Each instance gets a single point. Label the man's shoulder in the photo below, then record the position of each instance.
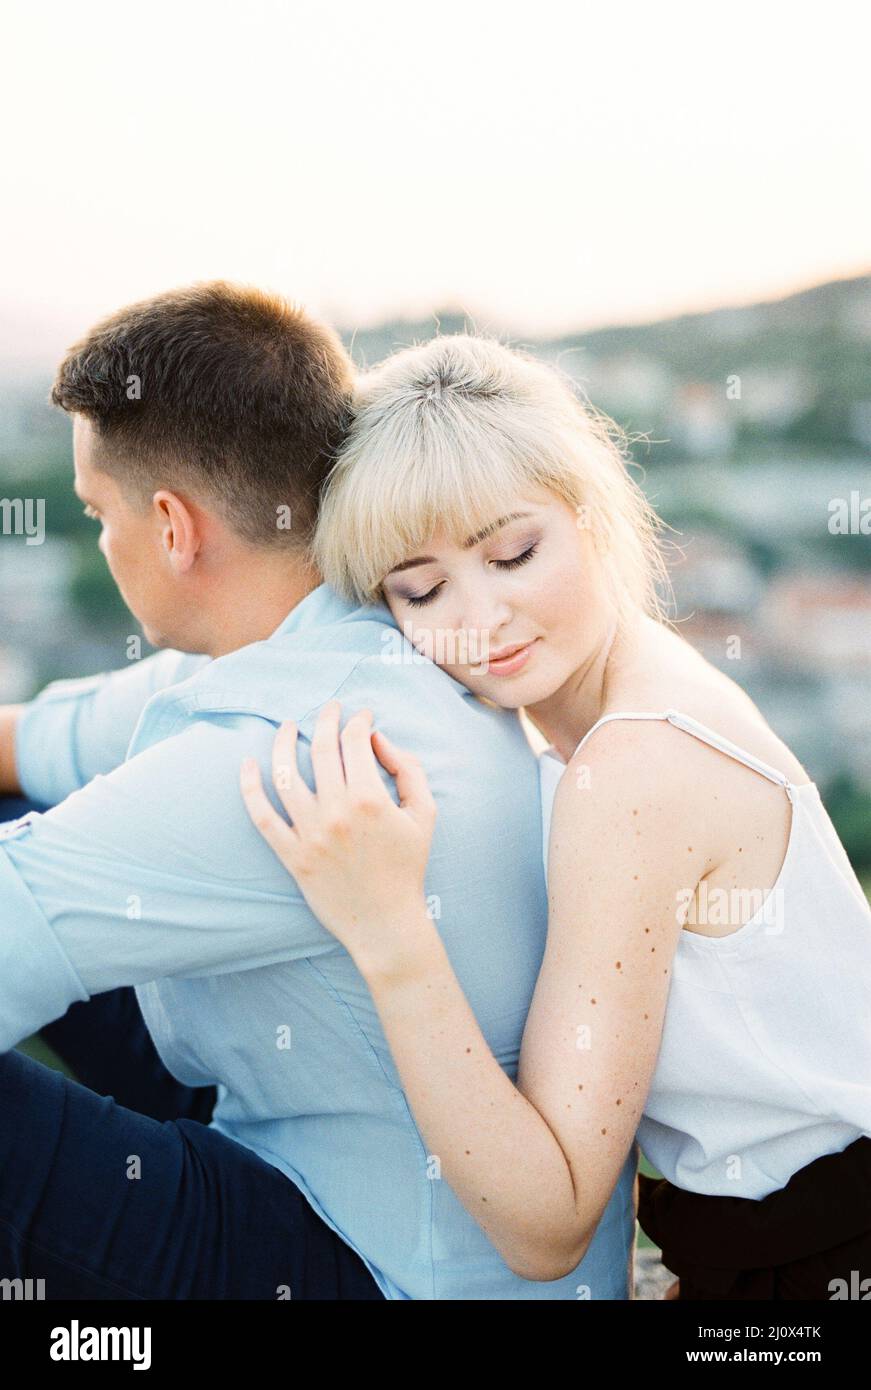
(365, 663)
(293, 673)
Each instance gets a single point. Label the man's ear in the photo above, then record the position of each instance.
(179, 530)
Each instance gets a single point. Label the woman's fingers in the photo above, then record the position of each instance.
(361, 769)
(275, 831)
(326, 755)
(295, 796)
(411, 780)
(345, 770)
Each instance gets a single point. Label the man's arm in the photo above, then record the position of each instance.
(152, 871)
(76, 729)
(9, 716)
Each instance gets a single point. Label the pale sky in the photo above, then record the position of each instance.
(544, 166)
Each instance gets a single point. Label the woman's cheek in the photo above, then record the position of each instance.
(421, 638)
(560, 607)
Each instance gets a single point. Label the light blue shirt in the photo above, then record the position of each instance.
(151, 874)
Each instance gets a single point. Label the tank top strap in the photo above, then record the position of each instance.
(620, 715)
(706, 735)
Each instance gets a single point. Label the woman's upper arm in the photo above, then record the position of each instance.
(619, 855)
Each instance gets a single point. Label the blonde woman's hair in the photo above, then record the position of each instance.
(444, 433)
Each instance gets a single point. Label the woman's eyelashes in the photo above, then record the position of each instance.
(418, 601)
(424, 598)
(520, 559)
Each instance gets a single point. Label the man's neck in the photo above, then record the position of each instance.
(252, 609)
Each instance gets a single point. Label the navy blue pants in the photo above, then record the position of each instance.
(114, 1186)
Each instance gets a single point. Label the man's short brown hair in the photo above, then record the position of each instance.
(225, 390)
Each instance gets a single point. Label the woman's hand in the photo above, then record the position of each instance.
(358, 858)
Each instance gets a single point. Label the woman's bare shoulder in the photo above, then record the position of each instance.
(670, 674)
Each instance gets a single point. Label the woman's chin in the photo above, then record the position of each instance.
(513, 694)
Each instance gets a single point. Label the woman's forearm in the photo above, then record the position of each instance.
(493, 1147)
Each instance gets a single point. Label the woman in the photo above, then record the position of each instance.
(708, 962)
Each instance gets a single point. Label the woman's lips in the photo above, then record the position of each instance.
(510, 665)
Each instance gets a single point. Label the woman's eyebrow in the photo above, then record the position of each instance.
(494, 526)
(467, 544)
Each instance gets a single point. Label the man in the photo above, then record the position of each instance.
(204, 422)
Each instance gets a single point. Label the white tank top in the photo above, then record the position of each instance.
(765, 1058)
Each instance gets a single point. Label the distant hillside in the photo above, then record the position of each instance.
(796, 369)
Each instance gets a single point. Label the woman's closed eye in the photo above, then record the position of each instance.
(418, 601)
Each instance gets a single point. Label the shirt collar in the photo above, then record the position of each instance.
(324, 606)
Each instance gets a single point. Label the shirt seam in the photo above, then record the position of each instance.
(196, 703)
(392, 1088)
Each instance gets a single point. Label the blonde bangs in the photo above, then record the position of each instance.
(385, 501)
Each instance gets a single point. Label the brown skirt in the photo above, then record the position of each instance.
(809, 1240)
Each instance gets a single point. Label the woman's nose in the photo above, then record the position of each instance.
(484, 621)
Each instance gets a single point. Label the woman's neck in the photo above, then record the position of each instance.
(570, 712)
